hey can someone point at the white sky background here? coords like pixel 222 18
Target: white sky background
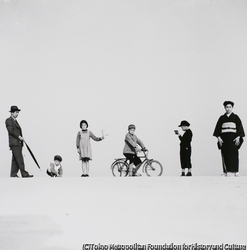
pixel 152 63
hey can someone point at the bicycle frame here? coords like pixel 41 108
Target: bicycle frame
pixel 145 164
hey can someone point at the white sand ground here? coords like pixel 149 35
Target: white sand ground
pixel 65 213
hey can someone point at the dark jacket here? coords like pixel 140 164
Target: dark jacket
pixel 186 140
pixel 14 131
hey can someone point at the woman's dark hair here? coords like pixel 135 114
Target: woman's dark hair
pixel 228 102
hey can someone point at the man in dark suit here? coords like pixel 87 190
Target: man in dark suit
pixel 16 143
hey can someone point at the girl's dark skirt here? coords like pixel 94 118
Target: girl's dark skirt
pixel 85 159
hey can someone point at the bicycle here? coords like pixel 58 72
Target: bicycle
pixel 120 167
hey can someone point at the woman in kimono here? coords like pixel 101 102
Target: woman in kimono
pixel 230 133
pixel 84 146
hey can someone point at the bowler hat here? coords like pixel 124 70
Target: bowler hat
pixel 184 123
pixel 13 109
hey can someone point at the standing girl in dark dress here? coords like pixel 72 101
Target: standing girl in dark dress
pixel 185 147
pixel 230 133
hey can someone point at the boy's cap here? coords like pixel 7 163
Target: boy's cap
pixel 184 123
pixel 131 126
pixel 58 158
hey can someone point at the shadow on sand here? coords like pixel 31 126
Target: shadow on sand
pixel 27 232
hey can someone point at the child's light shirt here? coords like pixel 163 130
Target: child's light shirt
pixel 53 166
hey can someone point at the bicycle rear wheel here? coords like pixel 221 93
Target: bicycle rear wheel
pixel 153 168
pixel 120 169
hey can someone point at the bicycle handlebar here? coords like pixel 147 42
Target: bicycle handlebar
pixel 144 150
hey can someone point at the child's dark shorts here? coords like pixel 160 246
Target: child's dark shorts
pixel 133 158
pixel 50 173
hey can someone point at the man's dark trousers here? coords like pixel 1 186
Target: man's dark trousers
pixel 17 162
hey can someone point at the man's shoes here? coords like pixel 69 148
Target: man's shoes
pixel 16 176
pixel 183 174
pixel 28 176
pixel 189 174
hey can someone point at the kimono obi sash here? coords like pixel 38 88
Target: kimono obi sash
pixel 228 127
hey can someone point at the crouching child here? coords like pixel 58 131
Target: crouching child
pixel 55 168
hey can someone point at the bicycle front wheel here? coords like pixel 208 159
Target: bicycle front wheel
pixel 120 169
pixel 153 168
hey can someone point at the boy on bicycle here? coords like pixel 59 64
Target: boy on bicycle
pixel 131 148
